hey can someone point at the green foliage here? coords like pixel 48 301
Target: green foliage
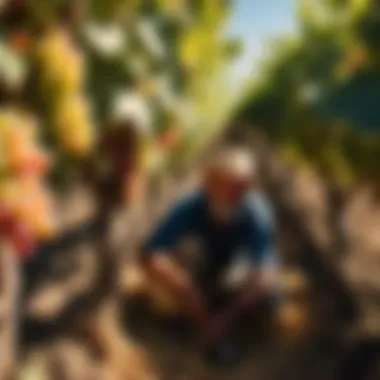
pixel 168 57
pixel 333 58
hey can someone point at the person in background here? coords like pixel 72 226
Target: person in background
pixel 226 215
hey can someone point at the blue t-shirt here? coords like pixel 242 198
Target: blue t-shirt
pixel 250 231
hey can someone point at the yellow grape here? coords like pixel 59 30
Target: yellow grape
pixel 74 126
pixel 23 120
pixel 8 191
pixel 50 48
pixel 20 148
pixel 67 76
pixel 10 138
pixel 52 43
pixel 61 62
pixel 73 76
pixel 33 207
pixel 24 161
pixel 17 146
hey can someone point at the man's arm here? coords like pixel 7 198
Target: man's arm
pixel 260 242
pixel 159 265
pixel 177 282
pixel 261 246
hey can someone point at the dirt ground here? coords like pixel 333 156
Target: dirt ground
pixel 100 346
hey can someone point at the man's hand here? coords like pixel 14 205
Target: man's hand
pixel 165 271
pixel 251 293
pixel 168 272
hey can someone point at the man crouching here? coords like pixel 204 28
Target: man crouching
pixel 227 215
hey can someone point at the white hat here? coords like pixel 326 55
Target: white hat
pixel 238 163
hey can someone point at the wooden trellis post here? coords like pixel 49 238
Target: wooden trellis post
pixel 10 287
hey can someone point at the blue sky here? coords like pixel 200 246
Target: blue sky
pixel 256 21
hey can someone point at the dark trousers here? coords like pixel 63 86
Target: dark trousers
pixel 256 321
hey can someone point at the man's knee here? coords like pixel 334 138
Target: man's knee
pixel 134 279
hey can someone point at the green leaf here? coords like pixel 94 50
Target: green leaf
pixel 12 67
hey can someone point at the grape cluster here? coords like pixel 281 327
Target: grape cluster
pixel 25 202
pixel 62 71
